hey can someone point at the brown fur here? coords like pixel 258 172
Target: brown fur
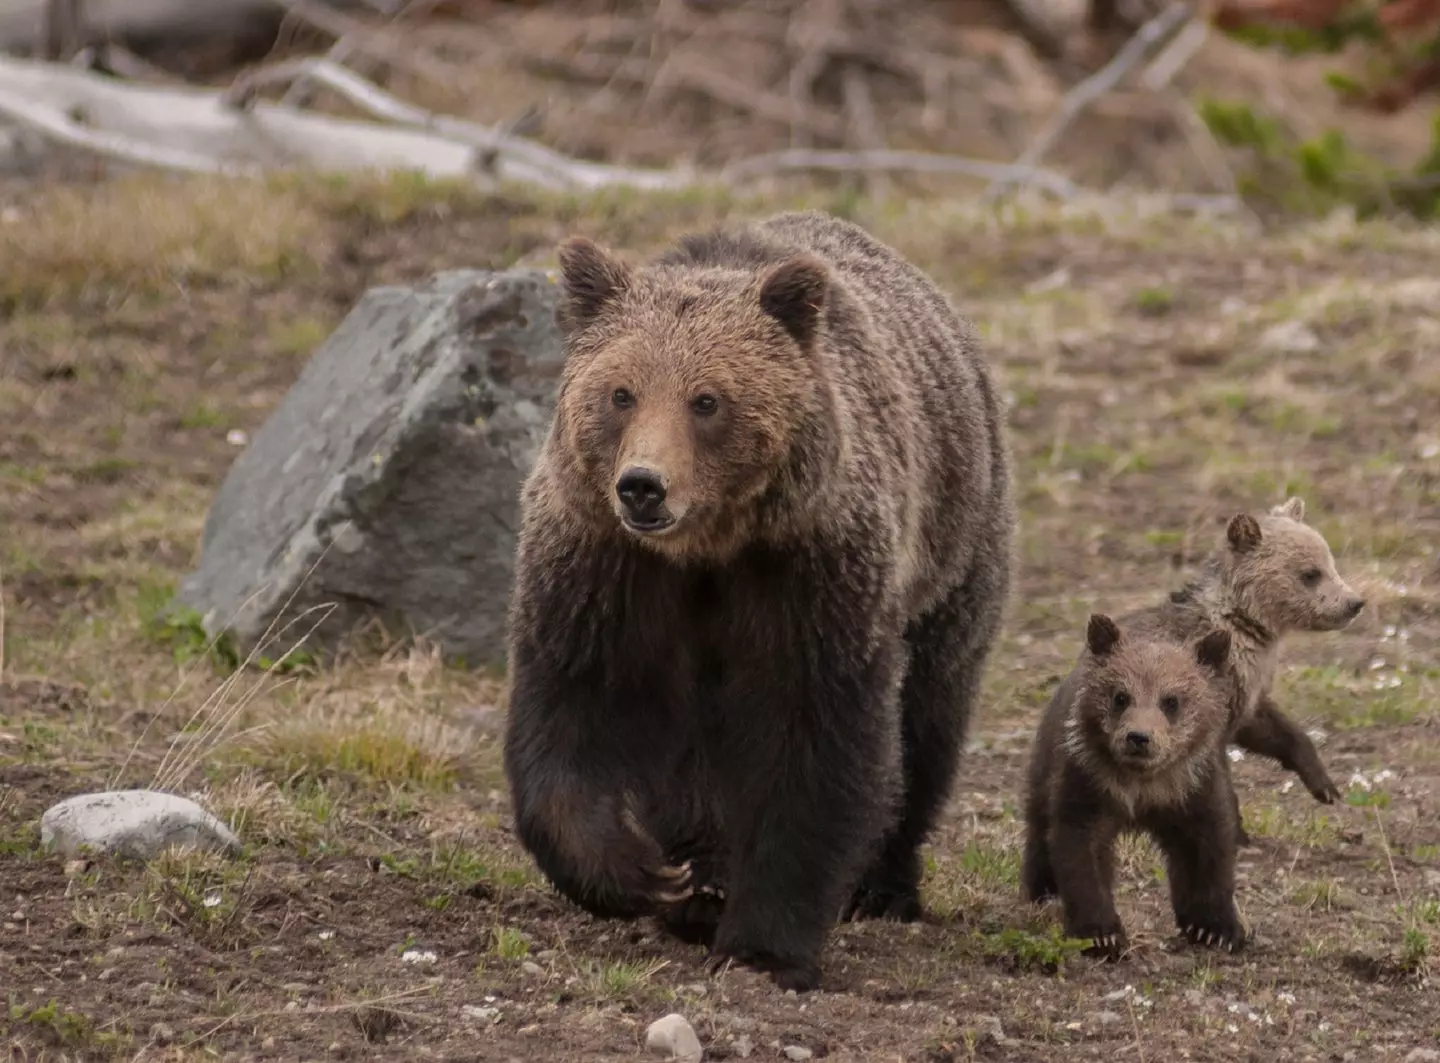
pixel 765 552
pixel 1134 739
pixel 1272 574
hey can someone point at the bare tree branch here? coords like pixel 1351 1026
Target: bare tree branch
pixel 1096 85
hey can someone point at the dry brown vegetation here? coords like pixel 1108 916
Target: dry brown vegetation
pixel 1164 372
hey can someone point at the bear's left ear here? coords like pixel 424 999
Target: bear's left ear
pixel 1214 649
pixel 793 293
pixel 591 278
pixel 1293 507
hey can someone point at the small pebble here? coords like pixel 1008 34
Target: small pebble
pixel 673 1038
pixel 533 969
pixel 797 1053
pixel 1423 1055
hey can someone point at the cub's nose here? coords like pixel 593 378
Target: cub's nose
pixel 1354 606
pixel 640 492
pixel 1137 742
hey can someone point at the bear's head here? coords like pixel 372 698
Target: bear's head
pixel 693 401
pixel 1147 707
pixel 1280 572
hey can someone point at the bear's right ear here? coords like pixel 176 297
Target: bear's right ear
pixel 793 293
pixel 1101 635
pixel 1293 507
pixel 1243 533
pixel 1214 649
pixel 591 278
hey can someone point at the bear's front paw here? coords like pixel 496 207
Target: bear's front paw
pixel 1217 931
pixel 1323 789
pixel 695 919
pixel 634 877
pixel 1108 940
pixel 793 974
pixel 901 904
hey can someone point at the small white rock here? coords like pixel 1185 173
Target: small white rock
pixel 798 1053
pixel 743 1046
pixel 532 969
pixel 418 956
pixel 486 1015
pixel 135 823
pixel 674 1038
pixel 1423 1055
pixel 1293 336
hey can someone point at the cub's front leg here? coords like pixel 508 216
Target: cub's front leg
pixel 1200 852
pixel 1082 860
pixel 818 756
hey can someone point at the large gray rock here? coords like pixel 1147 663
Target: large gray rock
pixel 393 468
pixel 134 823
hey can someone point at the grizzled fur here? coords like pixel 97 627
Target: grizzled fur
pixel 1272 575
pixel 765 553
pixel 1134 739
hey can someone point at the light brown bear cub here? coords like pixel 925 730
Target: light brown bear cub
pixel 1272 575
pixel 1134 740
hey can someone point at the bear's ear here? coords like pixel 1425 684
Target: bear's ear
pixel 1243 533
pixel 1214 649
pixel 591 278
pixel 793 293
pixel 1293 507
pixel 1101 635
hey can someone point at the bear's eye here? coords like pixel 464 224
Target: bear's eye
pixel 1311 577
pixel 622 398
pixel 1121 701
pixel 704 405
pixel 1169 704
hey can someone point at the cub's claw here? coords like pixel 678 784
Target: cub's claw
pixel 1230 938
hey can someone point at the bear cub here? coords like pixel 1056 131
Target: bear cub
pixel 1134 740
pixel 1271 575
pixel 763 558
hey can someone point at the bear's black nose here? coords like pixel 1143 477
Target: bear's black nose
pixel 1356 604
pixel 1137 742
pixel 641 493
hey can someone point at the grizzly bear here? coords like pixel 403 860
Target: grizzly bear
pixel 1134 740
pixel 764 554
pixel 1271 575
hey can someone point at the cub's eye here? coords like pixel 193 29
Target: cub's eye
pixel 622 398
pixel 704 405
pixel 1169 704
pixel 1121 701
pixel 1311 577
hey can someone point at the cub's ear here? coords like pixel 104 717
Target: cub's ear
pixel 1293 507
pixel 591 278
pixel 793 293
pixel 1101 635
pixel 1243 533
pixel 1214 649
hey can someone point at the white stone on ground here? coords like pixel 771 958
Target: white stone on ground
pixel 674 1038
pixel 136 823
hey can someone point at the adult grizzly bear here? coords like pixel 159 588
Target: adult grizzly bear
pixel 764 554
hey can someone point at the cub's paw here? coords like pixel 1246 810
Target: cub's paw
pixel 1324 790
pixel 694 919
pixel 1108 941
pixel 1224 932
pixel 900 905
pixel 785 973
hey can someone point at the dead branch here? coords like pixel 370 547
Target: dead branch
pixel 1145 40
pixel 896 161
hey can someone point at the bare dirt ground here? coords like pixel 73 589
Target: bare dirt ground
pixel 1164 374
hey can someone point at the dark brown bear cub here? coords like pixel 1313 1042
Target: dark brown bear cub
pixel 1134 739
pixel 764 554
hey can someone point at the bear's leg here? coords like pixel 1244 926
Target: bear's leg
pixel 1082 854
pixel 816 771
pixel 574 786
pixel 948 651
pixel 1037 871
pixel 1270 733
pixel 1198 841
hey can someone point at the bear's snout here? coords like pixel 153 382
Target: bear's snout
pixel 1353 607
pixel 642 494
